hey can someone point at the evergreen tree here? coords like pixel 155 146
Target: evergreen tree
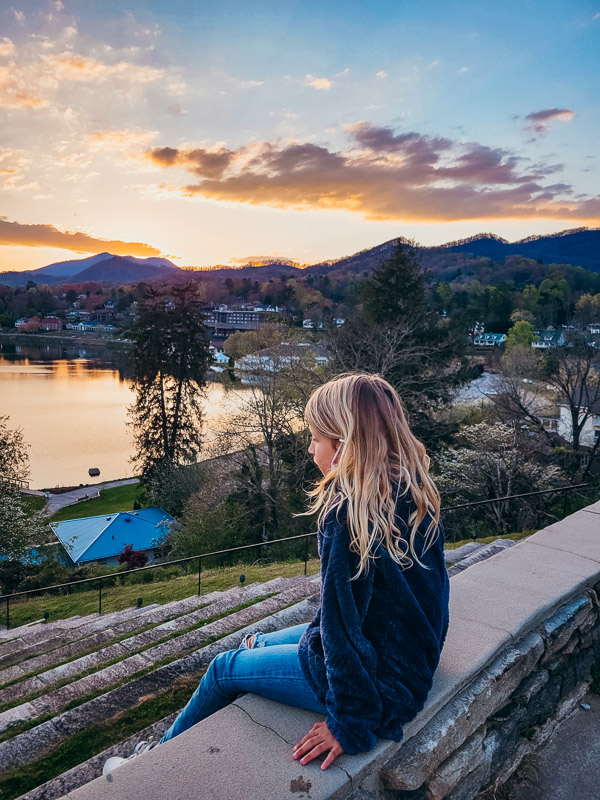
pixel 398 336
pixel 171 357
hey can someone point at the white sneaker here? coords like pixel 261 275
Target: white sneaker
pixel 117 761
pixel 112 764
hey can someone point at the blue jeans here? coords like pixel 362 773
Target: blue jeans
pixel 270 669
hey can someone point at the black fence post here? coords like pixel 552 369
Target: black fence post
pixel 306 555
pixel 199 576
pixel 7 613
pixel 100 596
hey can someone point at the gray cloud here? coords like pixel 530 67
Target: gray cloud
pixel 381 175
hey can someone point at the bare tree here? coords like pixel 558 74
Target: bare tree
pixel 265 439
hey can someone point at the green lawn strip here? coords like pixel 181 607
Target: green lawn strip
pixel 119 498
pixel 489 539
pixel 81 746
pixel 116 598
pixel 97 667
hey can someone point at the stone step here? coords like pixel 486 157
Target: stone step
pixel 151 615
pixel 35 743
pixel 27 642
pixel 222 601
pixel 88 636
pixel 458 553
pixel 42 641
pixel 56 700
pixel 486 551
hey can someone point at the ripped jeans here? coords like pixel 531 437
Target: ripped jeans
pixel 270 668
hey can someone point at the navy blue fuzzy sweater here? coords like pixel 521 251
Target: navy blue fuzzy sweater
pixel 370 652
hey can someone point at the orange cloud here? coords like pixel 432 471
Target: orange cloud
pixel 382 175
pixel 318 83
pixel 6 47
pixel 15 233
pixel 73 67
pixel 120 139
pixel 15 91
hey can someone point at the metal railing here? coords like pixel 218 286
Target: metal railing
pixel 306 536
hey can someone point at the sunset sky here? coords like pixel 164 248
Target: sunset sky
pixel 209 133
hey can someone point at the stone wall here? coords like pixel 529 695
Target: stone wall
pixel 507 712
pixel 524 635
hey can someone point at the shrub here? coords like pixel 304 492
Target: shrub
pixel 133 558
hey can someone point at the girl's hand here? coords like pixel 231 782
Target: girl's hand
pixel 317 741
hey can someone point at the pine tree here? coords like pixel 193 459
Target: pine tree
pixel 171 357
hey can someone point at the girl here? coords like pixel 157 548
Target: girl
pixel 366 661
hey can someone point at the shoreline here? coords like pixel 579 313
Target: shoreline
pixel 63 337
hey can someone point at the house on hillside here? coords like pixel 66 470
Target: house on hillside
pixel 250 368
pixel 549 339
pixel 100 539
pixel 51 324
pixel 489 339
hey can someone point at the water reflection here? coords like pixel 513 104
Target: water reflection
pixel 71 403
pixel 77 357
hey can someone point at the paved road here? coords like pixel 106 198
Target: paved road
pixel 568 766
pixel 57 501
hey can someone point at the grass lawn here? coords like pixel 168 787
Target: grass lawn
pixel 116 598
pixel 119 498
pixel 32 503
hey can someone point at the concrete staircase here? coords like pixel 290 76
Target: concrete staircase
pixel 66 677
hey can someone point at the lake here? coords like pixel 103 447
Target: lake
pixel 71 403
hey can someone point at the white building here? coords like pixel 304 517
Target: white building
pixel 272 359
pixel 590 433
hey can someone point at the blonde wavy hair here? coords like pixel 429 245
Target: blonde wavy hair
pixel 379 460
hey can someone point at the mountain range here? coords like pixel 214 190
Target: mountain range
pixel 104 267
pixel 579 247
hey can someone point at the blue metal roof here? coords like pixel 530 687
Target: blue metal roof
pixel 107 535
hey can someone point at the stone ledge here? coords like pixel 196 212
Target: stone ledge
pixel 245 750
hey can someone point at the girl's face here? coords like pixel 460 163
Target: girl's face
pixel 322 449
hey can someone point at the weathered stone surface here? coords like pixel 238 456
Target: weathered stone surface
pixel 13 693
pixel 488 692
pixel 28 746
pixel 104 678
pixel 225 739
pixel 80 664
pixel 20 713
pixel 28 650
pixel 101 708
pixel 481 554
pixel 64 653
pixel 546 701
pixel 564 622
pixel 467 789
pixel 457 766
pixel 531 686
pixel 11 674
pixel 458 553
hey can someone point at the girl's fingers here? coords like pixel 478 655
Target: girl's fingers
pixel 333 754
pixel 316 751
pixel 305 745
